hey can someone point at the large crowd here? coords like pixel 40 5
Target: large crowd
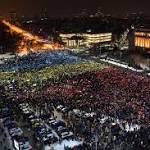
pixel 108 109
pixel 38 61
pixel 119 100
pixel 114 92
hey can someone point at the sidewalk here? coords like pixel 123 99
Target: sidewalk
pixel 5 141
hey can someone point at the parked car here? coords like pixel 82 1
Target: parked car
pixel 21 143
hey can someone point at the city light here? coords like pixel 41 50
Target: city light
pixel 30 42
pixel 142 39
pixel 86 39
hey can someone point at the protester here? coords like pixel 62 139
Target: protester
pixel 117 101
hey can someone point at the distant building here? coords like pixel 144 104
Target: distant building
pixel 141 40
pixel 73 40
pixel 12 16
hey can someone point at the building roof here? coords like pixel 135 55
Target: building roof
pixel 142 30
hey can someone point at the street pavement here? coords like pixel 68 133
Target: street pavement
pixel 5 142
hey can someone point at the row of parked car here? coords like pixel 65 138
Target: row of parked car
pixel 60 128
pixel 15 133
pixel 46 129
pixel 42 133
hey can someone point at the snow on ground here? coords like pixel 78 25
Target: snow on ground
pixel 63 144
pixel 113 62
pixel 128 127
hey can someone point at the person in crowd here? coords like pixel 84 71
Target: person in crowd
pixel 113 104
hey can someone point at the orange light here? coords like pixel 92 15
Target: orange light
pixel 32 42
pixel 142 42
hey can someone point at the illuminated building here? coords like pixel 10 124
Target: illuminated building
pixel 142 39
pixel 74 40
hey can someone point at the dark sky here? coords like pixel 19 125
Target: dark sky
pixel 69 7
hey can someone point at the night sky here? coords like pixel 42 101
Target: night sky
pixel 71 7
